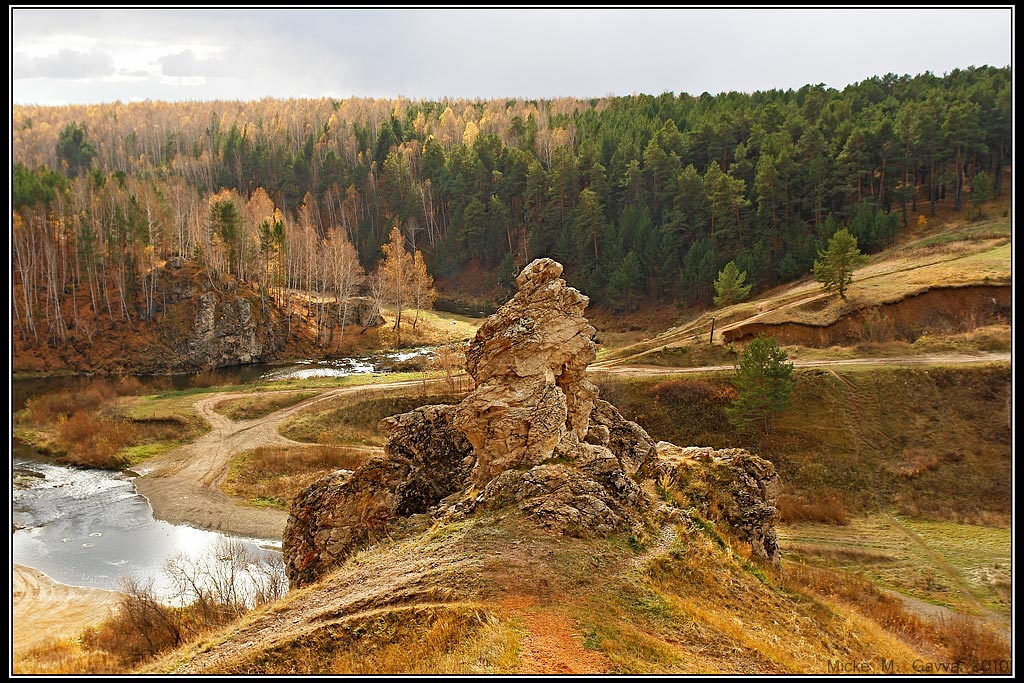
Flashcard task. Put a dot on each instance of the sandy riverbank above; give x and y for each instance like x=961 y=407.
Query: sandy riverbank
x=43 y=609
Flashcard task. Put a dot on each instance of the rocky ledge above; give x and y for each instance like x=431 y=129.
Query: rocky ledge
x=535 y=435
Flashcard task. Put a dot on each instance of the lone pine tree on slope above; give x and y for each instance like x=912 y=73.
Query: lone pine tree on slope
x=835 y=265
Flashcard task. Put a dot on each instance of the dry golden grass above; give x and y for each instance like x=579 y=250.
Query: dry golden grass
x=433 y=328
x=251 y=407
x=65 y=657
x=273 y=475
x=885 y=609
x=430 y=639
x=351 y=421
x=700 y=608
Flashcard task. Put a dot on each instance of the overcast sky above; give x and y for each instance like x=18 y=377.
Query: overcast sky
x=64 y=56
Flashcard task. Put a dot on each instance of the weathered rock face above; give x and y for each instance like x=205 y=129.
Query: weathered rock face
x=534 y=435
x=363 y=312
x=425 y=460
x=731 y=485
x=224 y=332
x=529 y=361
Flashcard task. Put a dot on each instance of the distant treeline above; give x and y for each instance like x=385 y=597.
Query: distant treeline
x=641 y=197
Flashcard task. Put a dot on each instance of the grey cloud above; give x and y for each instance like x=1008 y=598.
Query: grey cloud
x=137 y=73
x=185 y=63
x=64 y=64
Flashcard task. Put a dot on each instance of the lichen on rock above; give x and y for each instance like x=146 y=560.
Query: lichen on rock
x=533 y=435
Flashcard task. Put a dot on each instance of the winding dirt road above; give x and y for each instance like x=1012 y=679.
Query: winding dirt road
x=183 y=484
x=924 y=359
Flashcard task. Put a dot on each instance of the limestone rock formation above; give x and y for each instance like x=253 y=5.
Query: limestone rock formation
x=529 y=361
x=533 y=434
x=424 y=461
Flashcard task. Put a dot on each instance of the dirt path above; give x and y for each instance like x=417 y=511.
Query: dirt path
x=553 y=644
x=927 y=359
x=183 y=484
x=42 y=609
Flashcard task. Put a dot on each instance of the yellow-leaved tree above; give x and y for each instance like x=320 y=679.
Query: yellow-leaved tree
x=394 y=272
x=423 y=292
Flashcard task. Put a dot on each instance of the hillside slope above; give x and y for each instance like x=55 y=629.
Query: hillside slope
x=530 y=528
x=498 y=593
x=954 y=278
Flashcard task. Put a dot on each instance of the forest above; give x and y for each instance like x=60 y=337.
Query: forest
x=643 y=198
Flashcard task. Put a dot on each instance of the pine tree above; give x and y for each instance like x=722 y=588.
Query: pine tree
x=764 y=383
x=730 y=287
x=835 y=265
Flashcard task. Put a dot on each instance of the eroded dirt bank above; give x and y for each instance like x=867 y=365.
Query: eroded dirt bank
x=939 y=309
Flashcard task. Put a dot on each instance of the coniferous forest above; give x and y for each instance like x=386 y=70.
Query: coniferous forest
x=643 y=198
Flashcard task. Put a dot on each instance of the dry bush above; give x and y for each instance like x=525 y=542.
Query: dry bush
x=877 y=328
x=48 y=409
x=94 y=441
x=450 y=360
x=916 y=461
x=214 y=590
x=204 y=380
x=975 y=645
x=129 y=385
x=885 y=609
x=828 y=509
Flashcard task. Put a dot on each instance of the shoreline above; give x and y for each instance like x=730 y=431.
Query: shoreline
x=44 y=609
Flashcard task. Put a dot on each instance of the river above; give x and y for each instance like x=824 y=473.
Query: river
x=90 y=527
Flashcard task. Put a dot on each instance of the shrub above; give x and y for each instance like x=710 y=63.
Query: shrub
x=827 y=510
x=94 y=441
x=974 y=644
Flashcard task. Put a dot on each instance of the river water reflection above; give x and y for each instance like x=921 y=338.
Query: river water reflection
x=88 y=527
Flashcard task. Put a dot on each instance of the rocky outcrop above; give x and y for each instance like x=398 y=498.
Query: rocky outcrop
x=729 y=485
x=532 y=435
x=224 y=332
x=529 y=361
x=425 y=461
x=364 y=312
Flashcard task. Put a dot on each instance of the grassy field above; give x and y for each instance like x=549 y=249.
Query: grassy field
x=251 y=407
x=931 y=442
x=961 y=566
